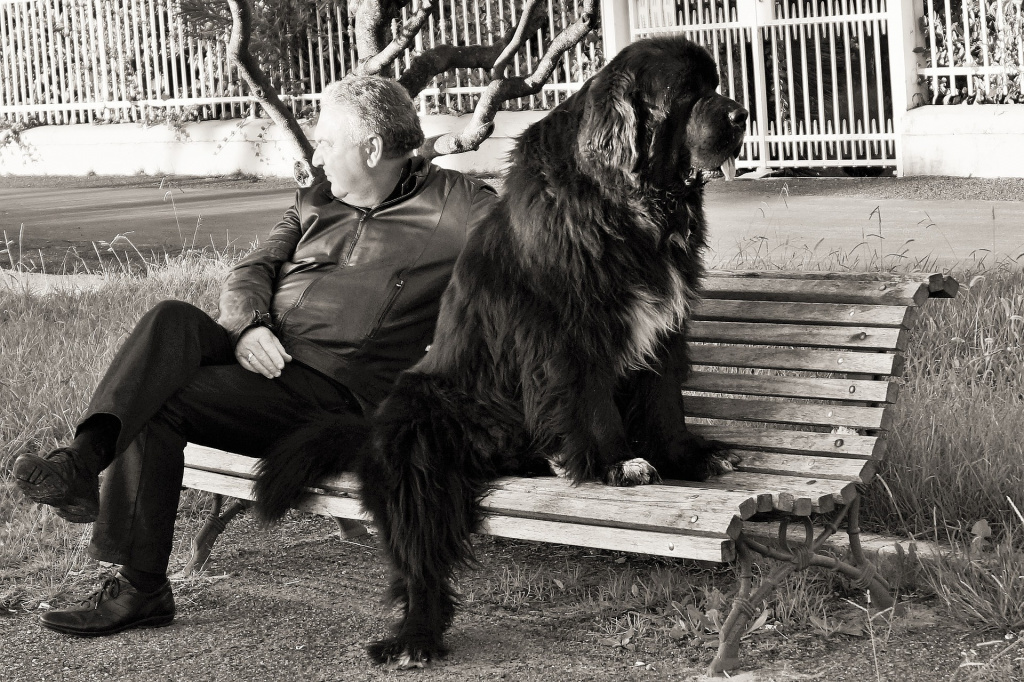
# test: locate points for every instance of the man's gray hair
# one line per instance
(384, 108)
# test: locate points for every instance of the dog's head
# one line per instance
(651, 117)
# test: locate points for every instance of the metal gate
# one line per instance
(814, 75)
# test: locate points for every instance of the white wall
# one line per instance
(210, 148)
(977, 141)
(982, 141)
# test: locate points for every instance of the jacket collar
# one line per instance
(413, 176)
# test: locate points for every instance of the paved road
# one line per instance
(793, 221)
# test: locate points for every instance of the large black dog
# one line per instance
(560, 335)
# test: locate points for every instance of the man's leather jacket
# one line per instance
(354, 293)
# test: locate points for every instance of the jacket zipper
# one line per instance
(388, 305)
(362, 221)
(355, 238)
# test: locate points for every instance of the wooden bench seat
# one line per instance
(794, 370)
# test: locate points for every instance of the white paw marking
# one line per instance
(637, 471)
(405, 662)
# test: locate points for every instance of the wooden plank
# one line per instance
(213, 482)
(718, 550)
(793, 387)
(797, 359)
(799, 496)
(703, 548)
(837, 314)
(787, 412)
(806, 442)
(669, 493)
(211, 459)
(653, 507)
(931, 279)
(815, 336)
(770, 287)
(705, 517)
(786, 464)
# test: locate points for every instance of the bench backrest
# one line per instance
(796, 369)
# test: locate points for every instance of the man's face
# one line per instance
(344, 161)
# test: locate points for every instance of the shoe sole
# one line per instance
(41, 484)
(151, 622)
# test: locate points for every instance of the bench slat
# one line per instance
(642, 542)
(654, 507)
(816, 336)
(688, 546)
(797, 359)
(764, 287)
(939, 285)
(800, 496)
(706, 517)
(597, 493)
(741, 409)
(838, 314)
(793, 387)
(804, 442)
(783, 464)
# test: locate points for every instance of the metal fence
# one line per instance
(974, 51)
(75, 61)
(813, 74)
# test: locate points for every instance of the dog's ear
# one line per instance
(608, 129)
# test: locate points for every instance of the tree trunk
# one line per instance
(263, 90)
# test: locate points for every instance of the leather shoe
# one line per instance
(60, 480)
(114, 607)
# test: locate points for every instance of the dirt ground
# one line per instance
(298, 603)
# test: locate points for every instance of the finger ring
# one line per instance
(249, 357)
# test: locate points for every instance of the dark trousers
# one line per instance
(175, 380)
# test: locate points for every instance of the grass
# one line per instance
(955, 458)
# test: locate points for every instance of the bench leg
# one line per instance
(728, 657)
(202, 543)
(350, 528)
(797, 558)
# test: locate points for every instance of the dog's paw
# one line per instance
(632, 472)
(723, 462)
(397, 655)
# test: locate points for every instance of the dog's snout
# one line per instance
(738, 116)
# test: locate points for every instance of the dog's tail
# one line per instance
(422, 479)
(301, 458)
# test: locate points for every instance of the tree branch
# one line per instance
(501, 90)
(446, 57)
(263, 90)
(515, 41)
(406, 35)
(372, 18)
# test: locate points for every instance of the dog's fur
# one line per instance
(560, 335)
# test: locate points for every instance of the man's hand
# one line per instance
(259, 351)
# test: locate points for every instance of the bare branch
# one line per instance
(406, 36)
(524, 29)
(261, 87)
(504, 89)
(446, 57)
(372, 19)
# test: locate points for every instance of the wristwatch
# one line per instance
(258, 319)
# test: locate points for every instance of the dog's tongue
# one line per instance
(729, 168)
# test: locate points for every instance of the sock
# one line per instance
(142, 580)
(96, 441)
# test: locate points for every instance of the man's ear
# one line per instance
(373, 147)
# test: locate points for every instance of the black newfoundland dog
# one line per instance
(560, 336)
(559, 345)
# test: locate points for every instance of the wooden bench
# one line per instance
(793, 369)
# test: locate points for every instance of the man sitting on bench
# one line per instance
(341, 297)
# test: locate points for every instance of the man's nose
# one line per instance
(317, 161)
